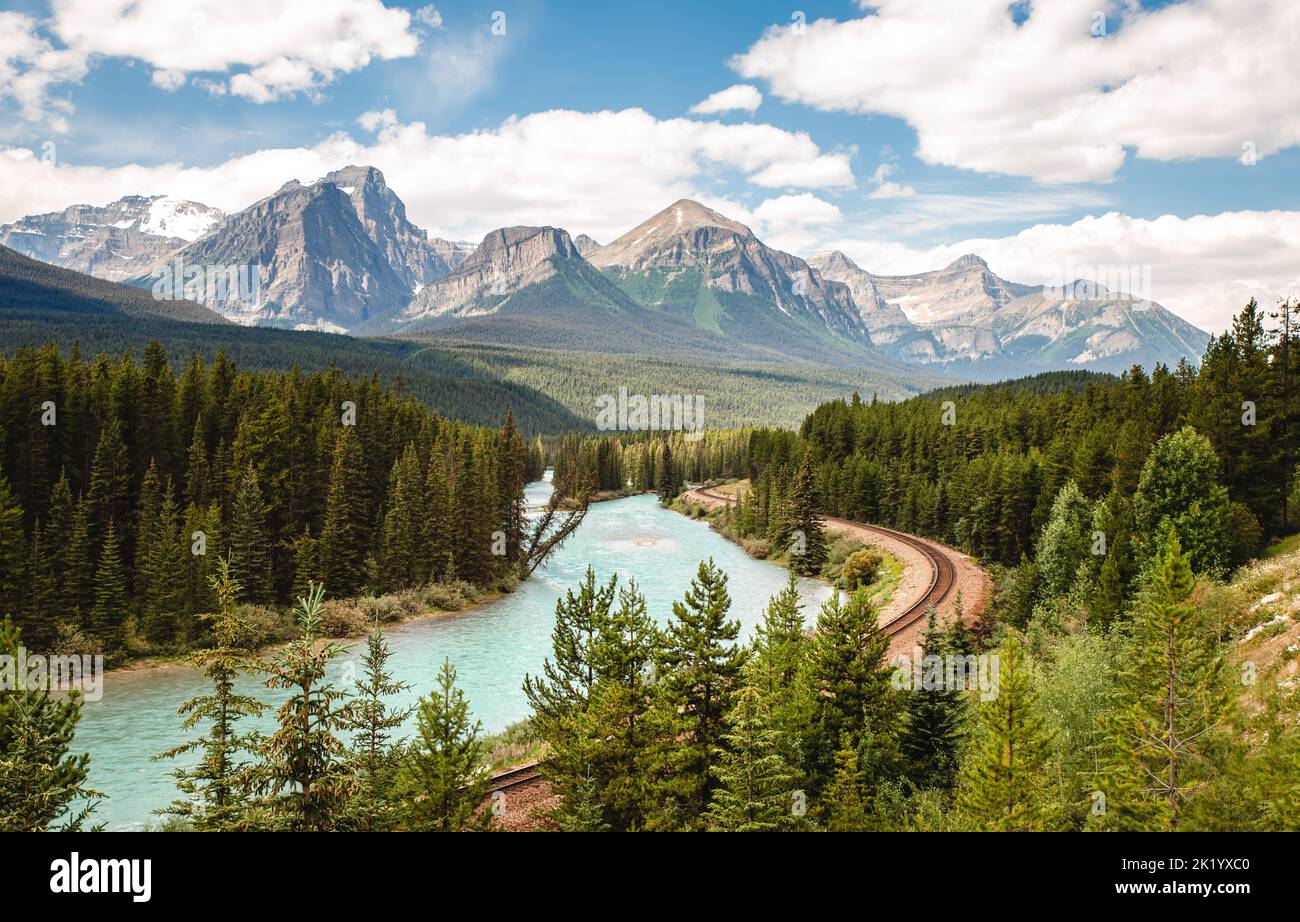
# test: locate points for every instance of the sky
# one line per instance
(1055, 139)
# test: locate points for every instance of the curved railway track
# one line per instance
(943, 573)
(515, 777)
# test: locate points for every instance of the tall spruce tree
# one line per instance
(248, 540)
(442, 784)
(936, 715)
(344, 538)
(219, 789)
(376, 755)
(805, 539)
(108, 615)
(306, 773)
(757, 788)
(1001, 787)
(700, 678)
(1171, 699)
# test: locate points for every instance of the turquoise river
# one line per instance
(492, 646)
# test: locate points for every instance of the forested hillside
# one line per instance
(122, 484)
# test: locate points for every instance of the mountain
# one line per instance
(30, 288)
(707, 271)
(320, 266)
(115, 241)
(585, 244)
(968, 319)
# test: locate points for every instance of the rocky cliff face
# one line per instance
(115, 241)
(508, 259)
(319, 266)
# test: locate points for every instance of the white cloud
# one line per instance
(884, 188)
(30, 65)
(287, 48)
(429, 16)
(793, 222)
(1046, 98)
(168, 80)
(1203, 268)
(918, 213)
(739, 98)
(598, 171)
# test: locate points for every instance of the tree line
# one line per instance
(122, 483)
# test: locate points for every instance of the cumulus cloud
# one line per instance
(429, 16)
(287, 48)
(1203, 268)
(1062, 94)
(739, 98)
(30, 65)
(883, 187)
(598, 171)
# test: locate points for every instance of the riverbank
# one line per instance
(346, 619)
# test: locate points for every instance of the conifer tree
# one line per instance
(757, 787)
(42, 785)
(13, 552)
(851, 685)
(935, 719)
(805, 538)
(79, 578)
(442, 783)
(248, 540)
(109, 612)
(567, 677)
(345, 536)
(164, 564)
(1001, 788)
(306, 771)
(844, 805)
(701, 670)
(219, 788)
(511, 475)
(670, 480)
(376, 756)
(403, 523)
(1170, 699)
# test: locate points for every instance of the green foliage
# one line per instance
(42, 784)
(441, 784)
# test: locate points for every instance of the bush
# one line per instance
(758, 548)
(862, 568)
(345, 617)
(264, 626)
(449, 596)
(395, 606)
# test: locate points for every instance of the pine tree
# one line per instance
(1002, 788)
(307, 776)
(511, 479)
(109, 612)
(219, 788)
(844, 805)
(564, 687)
(376, 756)
(851, 685)
(670, 480)
(79, 578)
(248, 540)
(757, 787)
(805, 539)
(163, 560)
(345, 537)
(935, 720)
(701, 670)
(442, 784)
(1171, 697)
(777, 667)
(42, 786)
(401, 558)
(13, 553)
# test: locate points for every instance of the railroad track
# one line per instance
(943, 573)
(524, 774)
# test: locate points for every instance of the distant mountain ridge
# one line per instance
(340, 254)
(966, 318)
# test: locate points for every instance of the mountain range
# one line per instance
(339, 254)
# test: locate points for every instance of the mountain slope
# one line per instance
(968, 319)
(115, 241)
(705, 270)
(29, 287)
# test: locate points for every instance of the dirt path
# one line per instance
(933, 574)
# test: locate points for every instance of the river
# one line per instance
(491, 646)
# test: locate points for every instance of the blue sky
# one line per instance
(901, 134)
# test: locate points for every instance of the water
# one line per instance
(492, 647)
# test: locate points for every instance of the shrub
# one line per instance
(264, 625)
(862, 568)
(344, 617)
(758, 548)
(449, 596)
